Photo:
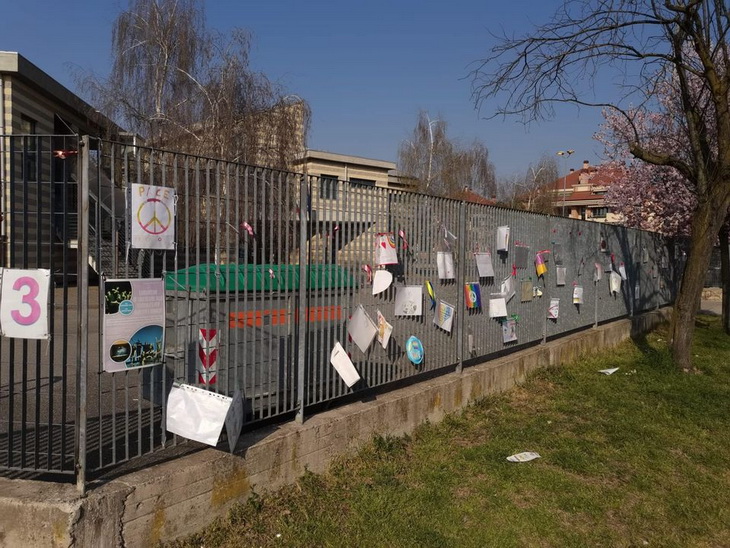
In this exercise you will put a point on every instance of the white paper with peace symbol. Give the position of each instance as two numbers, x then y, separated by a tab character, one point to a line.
153	217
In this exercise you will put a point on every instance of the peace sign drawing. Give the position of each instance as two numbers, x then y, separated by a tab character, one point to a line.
154	216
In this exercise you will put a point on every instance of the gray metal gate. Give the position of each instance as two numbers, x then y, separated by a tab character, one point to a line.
276	264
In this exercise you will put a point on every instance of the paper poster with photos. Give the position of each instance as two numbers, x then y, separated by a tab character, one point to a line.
134	323
509	331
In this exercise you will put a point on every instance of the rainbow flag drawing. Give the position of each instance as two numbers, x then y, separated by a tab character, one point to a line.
473	295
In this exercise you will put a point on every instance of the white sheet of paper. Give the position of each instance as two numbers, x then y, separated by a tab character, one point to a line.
445	265
343	364
196	414
578	294
507	289
381	281
361	329
502	238
622	272
598	272
554	310
497	307
484	264
560	275
234	420
444	316
384	330
614	282
409	301
609	371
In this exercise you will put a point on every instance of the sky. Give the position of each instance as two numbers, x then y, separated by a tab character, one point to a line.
365	68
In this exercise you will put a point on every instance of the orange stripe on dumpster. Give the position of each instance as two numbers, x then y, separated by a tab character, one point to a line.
260	318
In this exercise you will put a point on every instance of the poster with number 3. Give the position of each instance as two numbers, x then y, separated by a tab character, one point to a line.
24	303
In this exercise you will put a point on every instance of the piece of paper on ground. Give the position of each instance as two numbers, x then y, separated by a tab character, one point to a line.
523	457
444	316
196	414
409	301
381	281
361	328
384	330
445	265
484	264
609	371
343	364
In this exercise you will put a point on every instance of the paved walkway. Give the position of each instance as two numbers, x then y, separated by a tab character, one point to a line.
713	308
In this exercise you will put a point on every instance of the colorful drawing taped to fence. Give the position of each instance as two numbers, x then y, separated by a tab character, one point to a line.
444	316
473	295
385	251
153	217
134	320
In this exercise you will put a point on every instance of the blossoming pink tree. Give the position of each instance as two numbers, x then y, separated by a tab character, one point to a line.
618	54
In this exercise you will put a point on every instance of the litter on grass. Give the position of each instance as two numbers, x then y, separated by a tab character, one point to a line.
609	371
523	457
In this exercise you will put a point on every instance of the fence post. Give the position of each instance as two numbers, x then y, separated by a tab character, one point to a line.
301	306
82	288
460	276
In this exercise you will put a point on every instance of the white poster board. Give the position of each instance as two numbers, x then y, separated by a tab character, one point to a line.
445	265
24	303
484	264
134	323
409	301
196	414
153	217
502	238
343	365
361	328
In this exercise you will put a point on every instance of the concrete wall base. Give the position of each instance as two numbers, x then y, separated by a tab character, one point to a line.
182	496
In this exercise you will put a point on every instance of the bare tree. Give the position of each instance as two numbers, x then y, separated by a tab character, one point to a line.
441	166
645	44
181	86
532	192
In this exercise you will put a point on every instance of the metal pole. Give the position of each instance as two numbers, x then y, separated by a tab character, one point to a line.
83	316
302	301
460	276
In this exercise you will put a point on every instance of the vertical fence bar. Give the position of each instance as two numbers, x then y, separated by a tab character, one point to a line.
82	337
302	301
461	277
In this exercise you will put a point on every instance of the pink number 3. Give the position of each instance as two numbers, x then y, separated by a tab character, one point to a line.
29	299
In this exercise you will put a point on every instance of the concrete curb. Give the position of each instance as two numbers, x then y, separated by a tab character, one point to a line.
182	496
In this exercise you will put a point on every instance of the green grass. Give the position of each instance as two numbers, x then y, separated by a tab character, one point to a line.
638	458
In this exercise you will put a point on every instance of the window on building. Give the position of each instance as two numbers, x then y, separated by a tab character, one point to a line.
361	182
600	212
30	148
328	187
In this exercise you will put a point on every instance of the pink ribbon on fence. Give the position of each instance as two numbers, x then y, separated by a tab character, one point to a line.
248	228
402	235
369	272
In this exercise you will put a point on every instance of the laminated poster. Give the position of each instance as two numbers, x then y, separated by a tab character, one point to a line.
526	291
24	303
196	414
473	295
502	238
409	301
484	264
343	365
361	329
385	252
497	307
509	331
560	275
521	252
558	253
445	264
134	320
597	273
234	420
507	288
554	309
578	294
444	316
385	330
381	281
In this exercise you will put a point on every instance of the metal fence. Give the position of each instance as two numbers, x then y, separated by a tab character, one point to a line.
276	263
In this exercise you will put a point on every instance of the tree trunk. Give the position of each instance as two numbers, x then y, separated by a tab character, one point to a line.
706	224
725	274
